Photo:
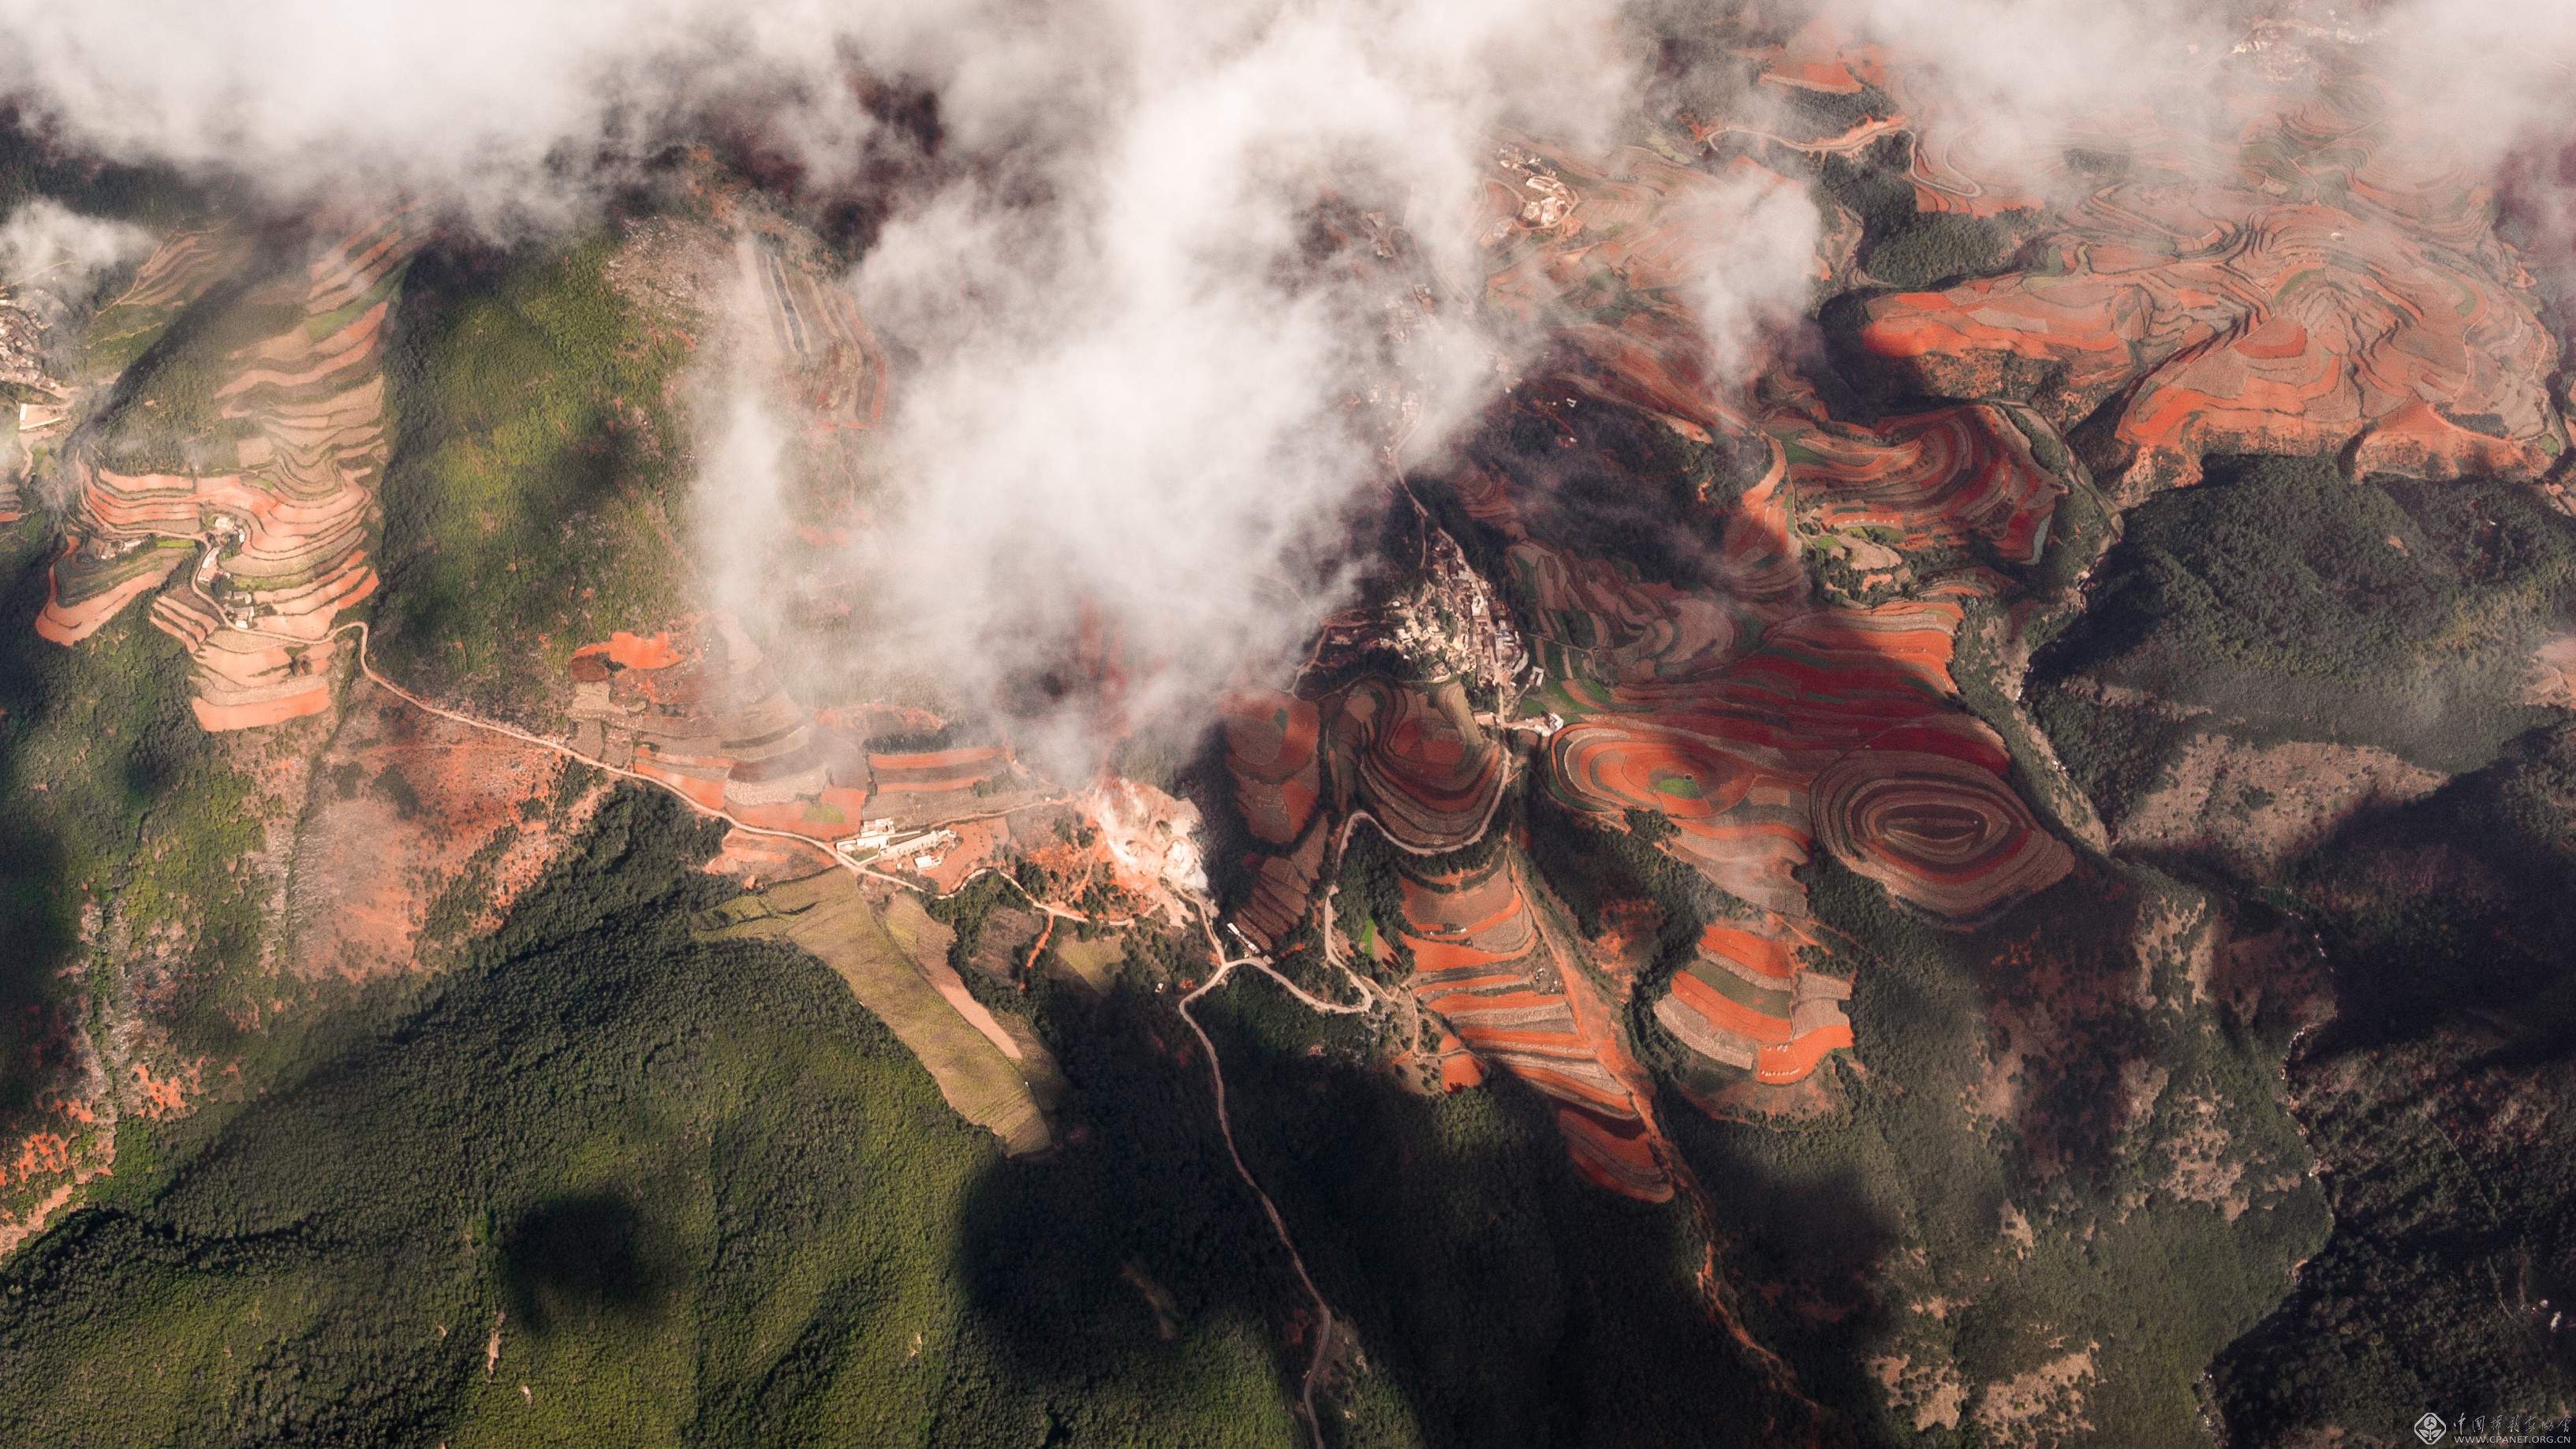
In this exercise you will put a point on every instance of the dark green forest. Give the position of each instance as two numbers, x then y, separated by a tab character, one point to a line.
701	1195
2282	601
704	1198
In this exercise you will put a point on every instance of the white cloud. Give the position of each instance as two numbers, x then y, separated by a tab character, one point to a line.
1125	381
47	246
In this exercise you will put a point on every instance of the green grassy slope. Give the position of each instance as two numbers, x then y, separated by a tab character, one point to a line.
535	438
110	793
825	914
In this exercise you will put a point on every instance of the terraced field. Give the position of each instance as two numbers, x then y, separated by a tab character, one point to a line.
1761	709
2281	279
1721	710
1841	727
1415	759
699	708
2263	340
814	338
1481	963
283	437
1936	480
1413	763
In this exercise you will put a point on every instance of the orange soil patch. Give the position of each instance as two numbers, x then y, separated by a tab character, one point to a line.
979	843
935	772
1765	956
162	1096
57	1144
40	1154
1413	757
634	651
365	876
1782	1064
1731	762
1815	58
702	781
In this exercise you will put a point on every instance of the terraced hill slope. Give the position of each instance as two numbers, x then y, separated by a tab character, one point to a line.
282	436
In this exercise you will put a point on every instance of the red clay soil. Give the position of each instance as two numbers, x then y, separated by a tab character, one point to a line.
1401	752
1942	833
759	860
1270	751
1818	58
633	651
934	772
1731	759
1461	1072
163	1097
64	1137
701	778
70	620
365	875
979	843
2269	279
1716	710
1937	479
2281	286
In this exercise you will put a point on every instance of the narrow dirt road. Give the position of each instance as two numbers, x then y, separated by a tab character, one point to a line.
1278	1224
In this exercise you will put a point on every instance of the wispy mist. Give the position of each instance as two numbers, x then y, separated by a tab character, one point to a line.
46	249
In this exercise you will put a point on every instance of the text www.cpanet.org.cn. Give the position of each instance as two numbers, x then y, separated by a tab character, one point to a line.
2447	1429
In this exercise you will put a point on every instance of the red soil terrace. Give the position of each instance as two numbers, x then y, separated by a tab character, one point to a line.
274	528
1762	720
1480	963
2282	281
